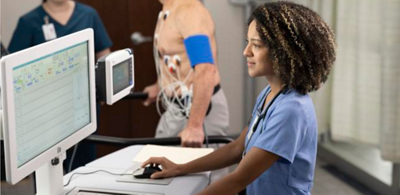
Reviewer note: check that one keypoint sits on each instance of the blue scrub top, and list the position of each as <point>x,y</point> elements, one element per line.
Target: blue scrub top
<point>29,29</point>
<point>288,130</point>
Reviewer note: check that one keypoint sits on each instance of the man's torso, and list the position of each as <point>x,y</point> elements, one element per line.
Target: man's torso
<point>169,46</point>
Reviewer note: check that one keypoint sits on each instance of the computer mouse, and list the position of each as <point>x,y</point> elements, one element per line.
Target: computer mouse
<point>146,172</point>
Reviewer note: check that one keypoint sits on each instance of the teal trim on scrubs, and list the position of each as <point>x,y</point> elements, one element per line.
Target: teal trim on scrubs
<point>29,28</point>
<point>288,130</point>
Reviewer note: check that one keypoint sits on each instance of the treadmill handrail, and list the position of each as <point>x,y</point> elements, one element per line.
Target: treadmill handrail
<point>119,141</point>
<point>136,95</point>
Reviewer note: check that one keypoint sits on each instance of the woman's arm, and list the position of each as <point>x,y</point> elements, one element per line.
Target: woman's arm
<point>256,162</point>
<point>102,53</point>
<point>225,156</point>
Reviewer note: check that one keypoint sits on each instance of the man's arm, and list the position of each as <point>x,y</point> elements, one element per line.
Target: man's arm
<point>194,19</point>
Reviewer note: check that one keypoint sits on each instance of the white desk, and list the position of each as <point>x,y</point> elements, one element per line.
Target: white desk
<point>120,161</point>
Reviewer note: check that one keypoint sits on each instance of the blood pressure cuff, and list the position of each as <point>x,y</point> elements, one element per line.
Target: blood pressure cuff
<point>198,49</point>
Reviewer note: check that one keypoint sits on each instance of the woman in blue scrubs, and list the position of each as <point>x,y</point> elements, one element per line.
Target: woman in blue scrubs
<point>294,49</point>
<point>57,18</point>
<point>64,17</point>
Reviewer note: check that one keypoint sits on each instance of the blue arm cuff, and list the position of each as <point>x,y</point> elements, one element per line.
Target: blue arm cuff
<point>198,49</point>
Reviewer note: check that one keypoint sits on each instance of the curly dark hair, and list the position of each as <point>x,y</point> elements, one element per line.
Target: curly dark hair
<point>301,45</point>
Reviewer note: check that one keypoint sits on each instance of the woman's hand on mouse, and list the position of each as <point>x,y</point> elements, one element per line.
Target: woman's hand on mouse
<point>169,169</point>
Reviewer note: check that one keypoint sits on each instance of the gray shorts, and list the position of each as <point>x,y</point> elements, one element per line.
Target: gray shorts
<point>216,122</point>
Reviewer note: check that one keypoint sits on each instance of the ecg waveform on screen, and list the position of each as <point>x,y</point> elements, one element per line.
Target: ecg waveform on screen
<point>50,101</point>
<point>121,78</point>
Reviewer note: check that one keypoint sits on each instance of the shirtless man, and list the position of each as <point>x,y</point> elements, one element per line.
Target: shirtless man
<point>185,54</point>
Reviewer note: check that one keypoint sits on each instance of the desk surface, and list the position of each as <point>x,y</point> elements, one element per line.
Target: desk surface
<point>120,161</point>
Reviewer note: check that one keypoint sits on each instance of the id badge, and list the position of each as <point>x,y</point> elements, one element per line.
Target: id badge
<point>49,32</point>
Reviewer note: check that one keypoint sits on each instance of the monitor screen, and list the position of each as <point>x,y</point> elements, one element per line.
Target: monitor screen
<point>121,77</point>
<point>45,90</point>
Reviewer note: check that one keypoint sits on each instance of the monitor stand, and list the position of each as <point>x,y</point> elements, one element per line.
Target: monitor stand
<point>49,177</point>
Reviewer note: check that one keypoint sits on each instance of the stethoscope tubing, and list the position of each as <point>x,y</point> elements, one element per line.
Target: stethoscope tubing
<point>259,116</point>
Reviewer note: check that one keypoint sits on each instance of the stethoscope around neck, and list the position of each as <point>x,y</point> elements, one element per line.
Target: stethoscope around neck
<point>260,115</point>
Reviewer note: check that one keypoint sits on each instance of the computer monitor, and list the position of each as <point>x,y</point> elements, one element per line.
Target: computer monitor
<point>115,76</point>
<point>49,105</point>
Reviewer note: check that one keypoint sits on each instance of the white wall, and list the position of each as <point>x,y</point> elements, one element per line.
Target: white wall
<point>11,10</point>
<point>231,28</point>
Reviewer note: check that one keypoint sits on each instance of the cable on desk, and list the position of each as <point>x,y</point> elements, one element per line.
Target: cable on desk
<point>119,174</point>
<point>70,178</point>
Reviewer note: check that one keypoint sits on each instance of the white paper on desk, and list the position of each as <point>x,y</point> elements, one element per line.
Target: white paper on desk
<point>177,155</point>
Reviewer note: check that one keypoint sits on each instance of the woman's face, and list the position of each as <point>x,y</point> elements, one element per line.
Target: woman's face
<point>258,62</point>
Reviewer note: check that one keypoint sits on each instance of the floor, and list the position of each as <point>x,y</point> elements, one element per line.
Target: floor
<point>364,157</point>
<point>24,187</point>
<point>328,181</point>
